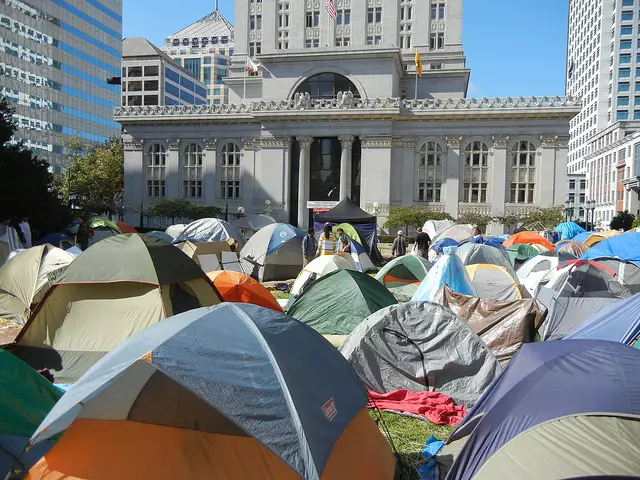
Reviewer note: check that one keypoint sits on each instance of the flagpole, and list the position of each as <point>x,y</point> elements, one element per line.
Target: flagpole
<point>244,90</point>
<point>416,94</point>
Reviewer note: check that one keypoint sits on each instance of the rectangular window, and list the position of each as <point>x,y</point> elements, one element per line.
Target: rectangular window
<point>627,17</point>
<point>309,43</point>
<point>622,115</point>
<point>627,3</point>
<point>625,44</point>
<point>374,15</point>
<point>171,75</point>
<point>582,197</point>
<point>207,60</point>
<point>435,66</point>
<point>572,184</point>
<point>216,91</point>
<point>135,100</point>
<point>624,73</point>
<point>255,22</point>
<point>343,42</point>
<point>216,101</point>
<point>135,86</point>
<point>172,89</point>
<point>583,184</point>
<point>206,77</point>
<point>151,86</point>
<point>135,72</point>
<point>151,71</point>
<point>636,114</point>
<point>437,11</point>
<point>636,100</point>
<point>192,65</point>
<point>626,30</point>
<point>623,87</point>
<point>192,165</point>
<point>255,48</point>
<point>436,41</point>
<point>344,17</point>
<point>151,99</point>
<point>374,40</point>
<point>156,164</point>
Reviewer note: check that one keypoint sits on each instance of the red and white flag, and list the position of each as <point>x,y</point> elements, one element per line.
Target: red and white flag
<point>331,9</point>
<point>251,66</point>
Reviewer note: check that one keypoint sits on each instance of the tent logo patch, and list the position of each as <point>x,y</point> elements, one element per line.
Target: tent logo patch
<point>329,409</point>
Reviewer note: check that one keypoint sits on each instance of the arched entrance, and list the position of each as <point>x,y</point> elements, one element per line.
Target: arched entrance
<point>326,86</point>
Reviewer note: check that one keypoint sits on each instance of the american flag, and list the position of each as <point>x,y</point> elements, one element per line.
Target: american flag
<point>331,9</point>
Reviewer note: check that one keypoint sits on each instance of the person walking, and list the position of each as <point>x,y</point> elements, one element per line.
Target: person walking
<point>344,242</point>
<point>399,246</point>
<point>327,244</point>
<point>309,246</point>
<point>421,246</point>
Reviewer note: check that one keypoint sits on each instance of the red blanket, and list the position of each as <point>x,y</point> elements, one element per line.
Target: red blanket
<point>435,407</point>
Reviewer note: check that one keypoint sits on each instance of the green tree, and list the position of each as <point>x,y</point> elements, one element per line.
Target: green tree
<point>508,220</point>
<point>27,185</point>
<point>181,210</point>
<point>94,175</point>
<point>475,219</point>
<point>623,220</point>
<point>413,217</point>
<point>549,217</point>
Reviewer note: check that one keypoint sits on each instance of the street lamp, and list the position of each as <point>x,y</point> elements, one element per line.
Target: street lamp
<point>267,207</point>
<point>590,207</point>
<point>240,211</point>
<point>568,210</point>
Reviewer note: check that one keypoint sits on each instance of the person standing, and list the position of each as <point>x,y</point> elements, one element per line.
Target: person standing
<point>25,228</point>
<point>82,237</point>
<point>309,246</point>
<point>477,236</point>
<point>399,246</point>
<point>344,242</point>
<point>327,244</point>
<point>423,241</point>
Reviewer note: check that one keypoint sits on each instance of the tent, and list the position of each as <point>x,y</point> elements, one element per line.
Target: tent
<point>503,326</point>
<point>434,228</point>
<point>528,238</point>
<point>493,282</point>
<point>125,227</point>
<point>208,255</point>
<point>627,272</point>
<point>474,253</point>
<point>448,270</point>
<point>27,397</point>
<point>568,230</point>
<point>337,302</point>
<point>533,271</point>
<point>617,322</point>
<point>421,346</point>
<point>59,240</point>
<point>360,258</point>
<point>520,253</point>
<point>234,391</point>
<point>161,235</point>
<point>575,292</point>
<point>349,230</point>
<point>113,290</point>
<point>238,287</point>
<point>364,223</point>
<point>102,228</point>
<point>495,242</point>
<point>210,230</point>
<point>273,253</point>
<point>250,224</point>
<point>317,268</point>
<point>439,245</point>
<point>402,275</point>
<point>9,241</point>
<point>174,231</point>
<point>575,249</point>
<point>515,431</point>
<point>26,278</point>
<point>459,233</point>
<point>625,247</point>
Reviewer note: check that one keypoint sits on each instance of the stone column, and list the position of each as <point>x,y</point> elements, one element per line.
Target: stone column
<point>501,174</point>
<point>303,181</point>
<point>173,175</point>
<point>345,166</point>
<point>452,175</point>
<point>210,180</point>
<point>286,186</point>
<point>135,185</point>
<point>375,175</point>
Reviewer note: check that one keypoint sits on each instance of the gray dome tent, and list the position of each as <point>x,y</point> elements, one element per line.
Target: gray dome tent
<point>421,346</point>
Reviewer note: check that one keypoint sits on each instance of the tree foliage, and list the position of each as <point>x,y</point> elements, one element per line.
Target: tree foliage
<point>181,210</point>
<point>475,219</point>
<point>623,220</point>
<point>413,217</point>
<point>28,188</point>
<point>548,217</point>
<point>95,175</point>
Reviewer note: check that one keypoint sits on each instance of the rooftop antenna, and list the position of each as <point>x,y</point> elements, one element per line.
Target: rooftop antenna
<point>216,6</point>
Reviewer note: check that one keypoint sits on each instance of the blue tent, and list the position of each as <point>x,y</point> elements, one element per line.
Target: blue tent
<point>495,242</point>
<point>625,247</point>
<point>617,322</point>
<point>548,391</point>
<point>160,235</point>
<point>439,245</point>
<point>568,230</point>
<point>59,240</point>
<point>448,270</point>
<point>581,237</point>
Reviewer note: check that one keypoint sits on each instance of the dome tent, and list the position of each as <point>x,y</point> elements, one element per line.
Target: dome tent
<point>210,230</point>
<point>250,224</point>
<point>493,282</point>
<point>516,432</point>
<point>528,238</point>
<point>403,275</point>
<point>317,268</point>
<point>116,288</point>
<point>238,287</point>
<point>273,253</point>
<point>474,253</point>
<point>421,346</point>
<point>625,247</point>
<point>627,272</point>
<point>448,270</point>
<point>178,402</point>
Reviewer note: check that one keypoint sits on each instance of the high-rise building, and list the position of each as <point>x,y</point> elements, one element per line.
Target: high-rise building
<point>204,49</point>
<point>151,77</point>
<point>55,59</point>
<point>603,70</point>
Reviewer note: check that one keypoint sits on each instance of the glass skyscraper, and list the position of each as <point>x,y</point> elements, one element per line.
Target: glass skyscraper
<point>55,59</point>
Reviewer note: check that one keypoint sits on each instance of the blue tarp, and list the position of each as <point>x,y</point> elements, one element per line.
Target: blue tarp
<point>625,247</point>
<point>448,270</point>
<point>547,380</point>
<point>568,230</point>
<point>439,245</point>
<point>617,322</point>
<point>495,242</point>
<point>581,237</point>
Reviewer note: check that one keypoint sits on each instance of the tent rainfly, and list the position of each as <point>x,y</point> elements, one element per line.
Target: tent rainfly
<point>493,282</point>
<point>210,230</point>
<point>273,253</point>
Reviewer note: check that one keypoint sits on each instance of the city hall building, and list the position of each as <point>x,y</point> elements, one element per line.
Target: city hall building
<point>337,110</point>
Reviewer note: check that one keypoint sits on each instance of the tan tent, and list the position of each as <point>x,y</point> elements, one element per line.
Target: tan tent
<point>113,290</point>
<point>202,252</point>
<point>27,277</point>
<point>493,281</point>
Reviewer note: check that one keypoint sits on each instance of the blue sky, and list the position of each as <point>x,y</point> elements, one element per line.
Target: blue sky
<point>513,47</point>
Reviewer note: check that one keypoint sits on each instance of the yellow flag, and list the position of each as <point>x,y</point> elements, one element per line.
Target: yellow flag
<point>418,64</point>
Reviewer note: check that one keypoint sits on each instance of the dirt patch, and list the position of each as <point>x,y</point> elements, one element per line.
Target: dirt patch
<point>8,332</point>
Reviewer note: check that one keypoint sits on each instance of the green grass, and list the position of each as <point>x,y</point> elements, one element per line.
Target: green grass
<point>408,436</point>
<point>280,295</point>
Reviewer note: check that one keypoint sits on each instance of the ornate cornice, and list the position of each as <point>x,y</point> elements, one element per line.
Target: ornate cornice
<point>554,140</point>
<point>521,210</point>
<point>210,143</point>
<point>376,142</point>
<point>173,144</point>
<point>305,142</point>
<point>453,141</point>
<point>405,142</point>
<point>346,141</point>
<point>275,142</point>
<point>134,145</point>
<point>500,141</point>
<point>475,208</point>
<point>250,144</point>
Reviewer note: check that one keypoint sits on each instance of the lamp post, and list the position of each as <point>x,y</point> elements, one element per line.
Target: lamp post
<point>591,207</point>
<point>568,210</point>
<point>267,207</point>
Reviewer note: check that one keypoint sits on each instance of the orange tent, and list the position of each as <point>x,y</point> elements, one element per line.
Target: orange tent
<point>237,287</point>
<point>528,238</point>
<point>126,227</point>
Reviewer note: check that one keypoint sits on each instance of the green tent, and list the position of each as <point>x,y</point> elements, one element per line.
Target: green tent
<point>27,397</point>
<point>339,301</point>
<point>349,230</point>
<point>521,253</point>
<point>98,222</point>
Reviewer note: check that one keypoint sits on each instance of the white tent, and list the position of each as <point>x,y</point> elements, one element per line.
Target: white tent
<point>318,268</point>
<point>459,233</point>
<point>9,241</point>
<point>174,230</point>
<point>250,224</point>
<point>433,228</point>
<point>210,230</point>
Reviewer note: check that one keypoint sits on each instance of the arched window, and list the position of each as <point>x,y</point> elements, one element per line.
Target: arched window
<point>230,171</point>
<point>476,173</point>
<point>327,86</point>
<point>192,171</point>
<point>430,172</point>
<point>523,172</point>
<point>156,165</point>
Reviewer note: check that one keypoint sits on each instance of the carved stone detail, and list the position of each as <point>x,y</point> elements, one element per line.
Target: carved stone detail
<point>305,142</point>
<point>250,144</point>
<point>405,142</point>
<point>453,141</point>
<point>475,209</point>
<point>519,210</point>
<point>211,143</point>
<point>346,141</point>
<point>275,142</point>
<point>173,144</point>
<point>554,140</point>
<point>376,142</point>
<point>134,145</point>
<point>500,141</point>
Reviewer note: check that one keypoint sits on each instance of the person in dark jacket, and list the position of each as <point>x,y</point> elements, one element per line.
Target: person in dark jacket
<point>423,242</point>
<point>309,246</point>
<point>399,246</point>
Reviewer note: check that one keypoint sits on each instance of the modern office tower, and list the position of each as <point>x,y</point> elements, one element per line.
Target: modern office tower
<point>151,77</point>
<point>204,49</point>
<point>55,59</point>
